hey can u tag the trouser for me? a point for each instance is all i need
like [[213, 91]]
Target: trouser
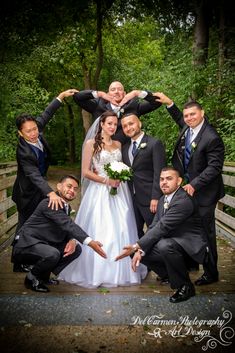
[[207, 215], [143, 215], [45, 258], [167, 259]]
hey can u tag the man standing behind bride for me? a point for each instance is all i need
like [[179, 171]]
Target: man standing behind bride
[[105, 217]]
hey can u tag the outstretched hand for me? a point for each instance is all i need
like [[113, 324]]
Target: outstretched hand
[[129, 96], [127, 251], [162, 98], [97, 247], [107, 97], [67, 93], [136, 261]]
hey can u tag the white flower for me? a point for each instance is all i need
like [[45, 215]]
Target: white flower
[[118, 166], [166, 205], [143, 145], [194, 145]]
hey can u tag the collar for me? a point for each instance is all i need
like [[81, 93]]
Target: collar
[[37, 144], [170, 196], [138, 140], [197, 128]]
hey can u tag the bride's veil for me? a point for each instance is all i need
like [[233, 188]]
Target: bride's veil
[[89, 136]]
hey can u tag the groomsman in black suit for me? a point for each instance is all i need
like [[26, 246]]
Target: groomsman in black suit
[[49, 239], [97, 102], [33, 158], [146, 156], [175, 233], [199, 158]]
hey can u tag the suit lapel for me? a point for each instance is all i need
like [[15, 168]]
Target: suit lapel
[[143, 140]]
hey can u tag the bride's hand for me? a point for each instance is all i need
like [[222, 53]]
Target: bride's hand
[[96, 246], [114, 183]]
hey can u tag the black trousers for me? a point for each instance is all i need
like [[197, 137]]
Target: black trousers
[[45, 258], [142, 215], [207, 215], [167, 259]]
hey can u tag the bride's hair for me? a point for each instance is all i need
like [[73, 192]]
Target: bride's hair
[[99, 144]]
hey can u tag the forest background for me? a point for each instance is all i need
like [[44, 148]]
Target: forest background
[[182, 48]]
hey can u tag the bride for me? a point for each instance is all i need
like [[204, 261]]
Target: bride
[[106, 218]]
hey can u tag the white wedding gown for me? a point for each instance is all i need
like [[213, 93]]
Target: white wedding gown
[[110, 220]]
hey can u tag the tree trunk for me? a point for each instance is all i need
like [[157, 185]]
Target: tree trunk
[[71, 142], [201, 34]]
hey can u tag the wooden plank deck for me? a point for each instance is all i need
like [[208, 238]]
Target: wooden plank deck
[[12, 283]]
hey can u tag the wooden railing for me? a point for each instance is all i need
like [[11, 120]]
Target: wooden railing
[[8, 212], [225, 211]]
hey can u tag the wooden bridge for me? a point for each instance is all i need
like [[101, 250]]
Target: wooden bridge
[[225, 223]]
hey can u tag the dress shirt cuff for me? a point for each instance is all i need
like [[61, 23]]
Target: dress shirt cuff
[[142, 94], [59, 99], [94, 94], [87, 241], [170, 105]]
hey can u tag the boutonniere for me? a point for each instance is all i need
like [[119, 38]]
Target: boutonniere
[[122, 110], [142, 145], [194, 145], [72, 212], [166, 205]]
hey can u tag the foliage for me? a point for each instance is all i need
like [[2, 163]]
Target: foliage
[[146, 45]]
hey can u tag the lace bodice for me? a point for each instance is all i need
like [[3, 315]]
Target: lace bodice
[[105, 157]]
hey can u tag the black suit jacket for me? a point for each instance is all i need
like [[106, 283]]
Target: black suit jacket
[[30, 185], [180, 222], [98, 106], [206, 161], [50, 227], [147, 165]]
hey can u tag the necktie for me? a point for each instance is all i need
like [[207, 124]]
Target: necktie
[[188, 147], [166, 204], [134, 148], [66, 206]]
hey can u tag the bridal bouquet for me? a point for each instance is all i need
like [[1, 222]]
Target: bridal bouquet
[[118, 171]]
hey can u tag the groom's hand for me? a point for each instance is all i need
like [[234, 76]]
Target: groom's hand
[[96, 246], [136, 260], [127, 251]]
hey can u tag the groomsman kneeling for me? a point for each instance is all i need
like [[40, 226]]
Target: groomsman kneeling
[[49, 239], [175, 233]]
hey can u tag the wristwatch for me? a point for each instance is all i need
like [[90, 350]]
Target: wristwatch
[[135, 247]]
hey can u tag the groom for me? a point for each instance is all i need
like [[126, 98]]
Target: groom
[[146, 156], [49, 239]]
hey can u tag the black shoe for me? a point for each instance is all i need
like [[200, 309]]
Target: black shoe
[[21, 267], [35, 285], [164, 280], [204, 279], [183, 293], [52, 281]]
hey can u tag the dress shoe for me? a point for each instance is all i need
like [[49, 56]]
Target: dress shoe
[[204, 279], [21, 267], [164, 280], [183, 293], [52, 281], [35, 285]]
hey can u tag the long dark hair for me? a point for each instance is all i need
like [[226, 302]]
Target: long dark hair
[[99, 144]]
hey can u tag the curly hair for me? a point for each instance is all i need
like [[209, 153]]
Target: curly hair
[[99, 144]]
